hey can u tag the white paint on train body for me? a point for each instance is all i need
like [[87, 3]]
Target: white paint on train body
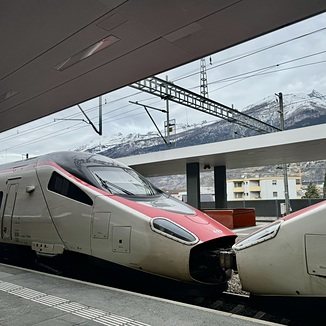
[[287, 257], [95, 206]]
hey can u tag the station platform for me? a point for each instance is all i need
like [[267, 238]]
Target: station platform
[[35, 298]]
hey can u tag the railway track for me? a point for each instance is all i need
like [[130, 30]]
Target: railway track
[[242, 305], [278, 310]]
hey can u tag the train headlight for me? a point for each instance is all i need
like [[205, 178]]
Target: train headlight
[[173, 231], [262, 235]]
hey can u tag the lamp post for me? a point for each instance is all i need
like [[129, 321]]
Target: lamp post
[[286, 190], [285, 168]]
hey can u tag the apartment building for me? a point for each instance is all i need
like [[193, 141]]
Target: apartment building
[[262, 188]]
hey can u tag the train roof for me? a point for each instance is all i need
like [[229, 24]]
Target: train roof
[[69, 160]]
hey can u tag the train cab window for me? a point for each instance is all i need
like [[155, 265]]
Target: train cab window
[[62, 186], [1, 196], [124, 181]]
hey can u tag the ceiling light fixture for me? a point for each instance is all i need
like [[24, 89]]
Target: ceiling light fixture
[[89, 51]]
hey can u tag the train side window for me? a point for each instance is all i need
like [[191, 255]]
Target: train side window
[[1, 196], [64, 187]]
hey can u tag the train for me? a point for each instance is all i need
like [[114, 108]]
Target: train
[[287, 258], [91, 205], [65, 205]]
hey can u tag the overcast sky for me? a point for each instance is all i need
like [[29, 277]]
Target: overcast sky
[[290, 60]]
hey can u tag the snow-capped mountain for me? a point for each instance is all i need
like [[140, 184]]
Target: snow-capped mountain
[[300, 110]]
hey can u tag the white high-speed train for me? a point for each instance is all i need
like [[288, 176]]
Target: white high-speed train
[[72, 202], [287, 258]]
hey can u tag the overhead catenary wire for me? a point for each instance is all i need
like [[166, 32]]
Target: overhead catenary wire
[[78, 126], [259, 72], [250, 53], [131, 113], [245, 76], [72, 128]]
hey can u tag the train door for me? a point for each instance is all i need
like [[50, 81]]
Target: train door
[[8, 209]]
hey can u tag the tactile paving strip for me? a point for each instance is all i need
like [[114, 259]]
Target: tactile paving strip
[[68, 306]]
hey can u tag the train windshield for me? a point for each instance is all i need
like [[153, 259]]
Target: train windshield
[[123, 181]]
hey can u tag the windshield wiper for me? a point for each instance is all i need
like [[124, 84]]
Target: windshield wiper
[[108, 185], [127, 192], [103, 183]]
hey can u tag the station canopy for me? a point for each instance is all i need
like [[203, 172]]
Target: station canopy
[[55, 54]]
